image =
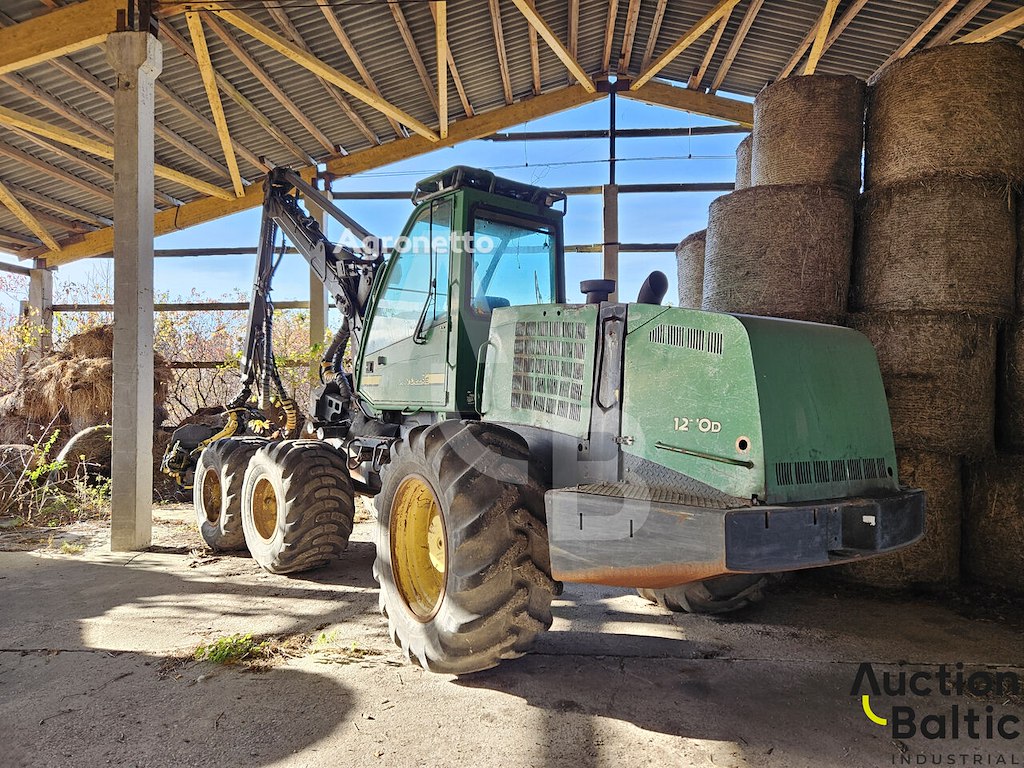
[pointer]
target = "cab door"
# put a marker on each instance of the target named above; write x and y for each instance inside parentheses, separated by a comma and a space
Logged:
(404, 360)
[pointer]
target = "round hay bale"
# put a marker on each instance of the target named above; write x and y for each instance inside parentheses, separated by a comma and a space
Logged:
(88, 392)
(86, 455)
(939, 373)
(953, 109)
(993, 550)
(690, 262)
(943, 244)
(743, 162)
(809, 130)
(934, 561)
(1020, 253)
(782, 251)
(94, 342)
(1010, 399)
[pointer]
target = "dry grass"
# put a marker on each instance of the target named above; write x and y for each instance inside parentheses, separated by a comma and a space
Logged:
(690, 263)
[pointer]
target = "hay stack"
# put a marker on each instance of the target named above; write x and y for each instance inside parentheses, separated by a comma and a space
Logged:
(952, 109)
(1010, 403)
(782, 251)
(942, 244)
(690, 263)
(939, 374)
(743, 162)
(809, 130)
(934, 561)
(993, 550)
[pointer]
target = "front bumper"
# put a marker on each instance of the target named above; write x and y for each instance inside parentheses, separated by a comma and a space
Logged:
(610, 537)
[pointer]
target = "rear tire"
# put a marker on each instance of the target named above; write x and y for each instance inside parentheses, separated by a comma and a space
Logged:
(721, 594)
(462, 551)
(216, 491)
(297, 505)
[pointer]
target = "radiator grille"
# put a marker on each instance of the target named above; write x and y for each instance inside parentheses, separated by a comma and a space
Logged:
(829, 471)
(548, 367)
(696, 339)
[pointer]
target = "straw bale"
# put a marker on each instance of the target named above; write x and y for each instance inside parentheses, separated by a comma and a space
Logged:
(743, 162)
(809, 130)
(690, 262)
(994, 523)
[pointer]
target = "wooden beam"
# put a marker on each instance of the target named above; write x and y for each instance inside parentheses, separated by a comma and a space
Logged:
(168, 32)
(72, 212)
(499, 44)
(17, 238)
(57, 33)
(9, 201)
(652, 38)
(208, 209)
(294, 53)
(994, 29)
(278, 14)
(818, 47)
(555, 44)
(206, 71)
(721, 8)
(958, 22)
(40, 128)
(54, 172)
(456, 78)
(534, 53)
(837, 29)
(918, 34)
(350, 50)
(609, 35)
(414, 52)
(697, 77)
(737, 42)
(574, 27)
(37, 94)
(632, 17)
(663, 95)
(441, 35)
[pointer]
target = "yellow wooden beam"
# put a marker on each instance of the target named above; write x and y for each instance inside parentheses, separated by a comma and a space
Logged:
(652, 38)
(9, 201)
(687, 100)
(441, 33)
(456, 77)
(837, 29)
(737, 42)
(195, 30)
(958, 22)
(555, 44)
(499, 46)
(57, 33)
(269, 38)
(405, 32)
(684, 42)
(820, 36)
(38, 127)
(208, 209)
(709, 54)
(994, 29)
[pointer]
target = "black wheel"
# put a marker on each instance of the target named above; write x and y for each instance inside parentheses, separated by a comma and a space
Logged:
(297, 505)
(216, 491)
(721, 594)
(462, 551)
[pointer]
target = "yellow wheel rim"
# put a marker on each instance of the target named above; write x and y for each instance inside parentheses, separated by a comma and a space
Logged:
(264, 509)
(419, 552)
(211, 495)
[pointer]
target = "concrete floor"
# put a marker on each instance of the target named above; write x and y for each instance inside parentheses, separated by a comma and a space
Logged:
(92, 673)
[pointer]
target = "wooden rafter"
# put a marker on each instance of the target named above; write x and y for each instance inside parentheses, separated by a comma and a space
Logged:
(414, 52)
(37, 94)
(207, 209)
(958, 22)
(737, 42)
(269, 38)
(534, 53)
(441, 36)
(24, 215)
(652, 38)
(698, 77)
(71, 211)
(14, 238)
(574, 27)
(609, 35)
(456, 78)
(698, 103)
(54, 172)
(918, 34)
(169, 33)
(195, 29)
(820, 36)
(994, 29)
(281, 18)
(632, 18)
(106, 151)
(721, 8)
(549, 37)
(837, 29)
(57, 33)
(499, 45)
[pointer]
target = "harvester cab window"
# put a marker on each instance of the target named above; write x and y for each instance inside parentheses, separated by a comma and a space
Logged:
(415, 297)
(513, 264)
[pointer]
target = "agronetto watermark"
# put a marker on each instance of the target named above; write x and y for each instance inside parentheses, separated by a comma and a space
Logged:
(456, 242)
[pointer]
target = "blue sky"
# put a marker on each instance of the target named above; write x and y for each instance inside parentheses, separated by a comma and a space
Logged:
(643, 218)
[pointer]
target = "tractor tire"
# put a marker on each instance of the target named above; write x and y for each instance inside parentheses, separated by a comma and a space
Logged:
(217, 491)
(462, 550)
(721, 594)
(297, 505)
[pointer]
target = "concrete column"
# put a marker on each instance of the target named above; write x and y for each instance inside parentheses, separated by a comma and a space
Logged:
(611, 236)
(40, 308)
(136, 58)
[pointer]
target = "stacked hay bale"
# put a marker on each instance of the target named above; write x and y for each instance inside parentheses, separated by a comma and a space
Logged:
(690, 264)
(743, 150)
(933, 275)
(782, 246)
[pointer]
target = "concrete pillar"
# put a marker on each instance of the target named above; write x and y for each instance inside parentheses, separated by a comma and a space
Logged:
(40, 309)
(136, 58)
(610, 194)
